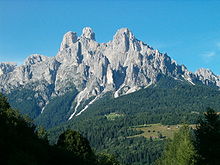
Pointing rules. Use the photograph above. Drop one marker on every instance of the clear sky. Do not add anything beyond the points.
(188, 30)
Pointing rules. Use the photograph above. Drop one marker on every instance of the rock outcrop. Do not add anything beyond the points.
(208, 77)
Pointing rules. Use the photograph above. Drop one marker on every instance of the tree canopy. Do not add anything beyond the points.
(208, 138)
(181, 150)
(21, 143)
(74, 142)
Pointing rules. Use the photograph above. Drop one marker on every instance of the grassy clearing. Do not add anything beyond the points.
(157, 131)
(113, 116)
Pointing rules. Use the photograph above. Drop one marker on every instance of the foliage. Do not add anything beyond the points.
(42, 133)
(22, 144)
(169, 102)
(112, 136)
(18, 142)
(25, 101)
(57, 111)
(181, 150)
(106, 159)
(155, 104)
(75, 143)
(208, 138)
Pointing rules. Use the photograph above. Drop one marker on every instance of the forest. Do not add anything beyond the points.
(22, 143)
(108, 123)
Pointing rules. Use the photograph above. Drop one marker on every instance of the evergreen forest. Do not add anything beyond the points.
(108, 131)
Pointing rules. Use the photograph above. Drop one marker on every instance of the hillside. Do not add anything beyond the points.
(149, 105)
(107, 123)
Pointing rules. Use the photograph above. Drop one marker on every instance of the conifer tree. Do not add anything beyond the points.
(179, 151)
(208, 138)
(74, 142)
(106, 159)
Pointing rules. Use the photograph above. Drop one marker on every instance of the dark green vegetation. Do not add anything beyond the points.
(25, 102)
(57, 111)
(168, 102)
(208, 138)
(22, 144)
(180, 150)
(112, 137)
(178, 100)
(195, 147)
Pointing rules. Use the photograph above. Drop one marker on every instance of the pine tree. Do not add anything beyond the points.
(106, 159)
(208, 138)
(42, 133)
(179, 151)
(75, 143)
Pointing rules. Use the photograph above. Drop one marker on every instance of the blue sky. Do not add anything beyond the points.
(189, 31)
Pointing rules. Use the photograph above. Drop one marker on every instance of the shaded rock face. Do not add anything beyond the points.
(123, 65)
(6, 67)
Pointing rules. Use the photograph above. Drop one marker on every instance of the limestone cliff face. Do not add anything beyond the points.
(123, 65)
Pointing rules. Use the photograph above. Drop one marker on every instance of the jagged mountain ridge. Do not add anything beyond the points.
(123, 65)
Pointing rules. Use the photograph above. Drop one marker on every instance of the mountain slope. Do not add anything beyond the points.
(168, 102)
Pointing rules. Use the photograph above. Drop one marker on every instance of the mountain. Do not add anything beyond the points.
(107, 89)
(84, 71)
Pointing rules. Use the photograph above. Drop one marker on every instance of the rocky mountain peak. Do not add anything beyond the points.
(205, 72)
(88, 33)
(124, 39)
(35, 58)
(6, 67)
(68, 39)
(124, 34)
(121, 66)
(8, 64)
(207, 77)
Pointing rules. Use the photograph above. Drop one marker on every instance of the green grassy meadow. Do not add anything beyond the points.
(157, 131)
